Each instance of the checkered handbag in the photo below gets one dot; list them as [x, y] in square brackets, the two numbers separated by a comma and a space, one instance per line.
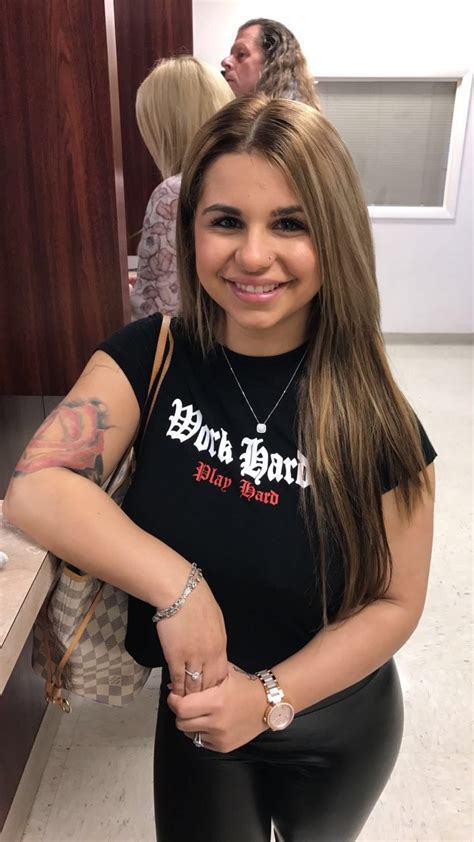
[78, 642]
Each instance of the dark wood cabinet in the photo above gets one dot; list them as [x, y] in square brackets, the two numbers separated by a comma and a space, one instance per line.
[22, 707]
[70, 71]
[146, 30]
[63, 255]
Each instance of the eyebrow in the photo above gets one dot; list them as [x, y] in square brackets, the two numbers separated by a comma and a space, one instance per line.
[278, 212]
[287, 211]
[222, 209]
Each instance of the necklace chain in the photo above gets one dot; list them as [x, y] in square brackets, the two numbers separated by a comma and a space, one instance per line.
[262, 425]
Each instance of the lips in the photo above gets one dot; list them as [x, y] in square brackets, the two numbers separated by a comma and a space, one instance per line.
[256, 292]
[256, 288]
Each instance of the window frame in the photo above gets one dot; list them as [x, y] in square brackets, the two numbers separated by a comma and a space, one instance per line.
[456, 145]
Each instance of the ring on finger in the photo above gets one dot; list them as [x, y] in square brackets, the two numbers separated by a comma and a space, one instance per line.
[197, 740]
[194, 675]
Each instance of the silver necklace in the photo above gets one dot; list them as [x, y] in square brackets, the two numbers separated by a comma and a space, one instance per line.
[262, 425]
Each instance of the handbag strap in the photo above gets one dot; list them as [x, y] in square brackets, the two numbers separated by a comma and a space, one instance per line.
[160, 350]
[54, 687]
[76, 638]
[161, 365]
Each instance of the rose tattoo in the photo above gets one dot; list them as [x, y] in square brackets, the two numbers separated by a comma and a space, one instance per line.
[71, 437]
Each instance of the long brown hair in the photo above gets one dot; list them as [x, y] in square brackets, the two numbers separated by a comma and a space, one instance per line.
[285, 71]
[353, 419]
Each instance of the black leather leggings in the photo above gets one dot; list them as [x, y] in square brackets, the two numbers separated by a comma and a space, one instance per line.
[317, 781]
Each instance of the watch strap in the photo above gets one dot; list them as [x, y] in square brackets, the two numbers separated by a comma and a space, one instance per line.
[272, 689]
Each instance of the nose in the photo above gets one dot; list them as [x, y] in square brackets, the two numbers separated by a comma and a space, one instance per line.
[226, 62]
[254, 255]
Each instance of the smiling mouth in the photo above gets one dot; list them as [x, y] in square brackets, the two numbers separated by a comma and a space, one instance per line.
[257, 289]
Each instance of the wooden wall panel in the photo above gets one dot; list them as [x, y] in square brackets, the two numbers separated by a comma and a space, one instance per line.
[63, 270]
[145, 30]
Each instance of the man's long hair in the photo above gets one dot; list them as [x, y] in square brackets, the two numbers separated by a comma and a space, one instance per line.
[285, 71]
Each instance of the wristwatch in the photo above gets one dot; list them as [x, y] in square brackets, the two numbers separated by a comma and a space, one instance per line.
[279, 714]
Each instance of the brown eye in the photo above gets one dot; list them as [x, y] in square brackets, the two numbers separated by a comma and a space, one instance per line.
[290, 225]
[226, 222]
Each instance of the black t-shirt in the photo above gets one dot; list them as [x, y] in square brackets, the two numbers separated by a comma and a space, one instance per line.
[225, 496]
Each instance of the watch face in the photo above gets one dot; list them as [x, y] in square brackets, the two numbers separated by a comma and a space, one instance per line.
[280, 716]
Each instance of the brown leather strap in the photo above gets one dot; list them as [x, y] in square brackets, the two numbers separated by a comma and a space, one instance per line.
[77, 636]
[53, 688]
[157, 362]
[160, 350]
[164, 370]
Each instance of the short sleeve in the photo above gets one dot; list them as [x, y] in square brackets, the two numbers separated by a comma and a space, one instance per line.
[133, 349]
[389, 482]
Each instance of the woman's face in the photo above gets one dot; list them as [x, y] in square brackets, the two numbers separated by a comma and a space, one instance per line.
[254, 254]
[244, 64]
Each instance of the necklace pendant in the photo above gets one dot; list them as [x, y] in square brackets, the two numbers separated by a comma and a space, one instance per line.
[261, 428]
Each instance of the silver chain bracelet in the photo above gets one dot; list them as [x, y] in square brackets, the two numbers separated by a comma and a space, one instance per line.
[193, 580]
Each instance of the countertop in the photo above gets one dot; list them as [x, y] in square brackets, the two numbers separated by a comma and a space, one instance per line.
[24, 585]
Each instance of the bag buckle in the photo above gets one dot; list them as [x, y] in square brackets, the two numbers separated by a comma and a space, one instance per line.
[54, 697]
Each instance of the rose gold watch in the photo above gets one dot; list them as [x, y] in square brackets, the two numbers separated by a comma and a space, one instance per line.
[279, 714]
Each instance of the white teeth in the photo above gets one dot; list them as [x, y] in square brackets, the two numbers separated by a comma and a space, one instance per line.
[261, 288]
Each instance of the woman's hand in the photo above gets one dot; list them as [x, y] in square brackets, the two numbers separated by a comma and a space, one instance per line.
[195, 640]
[226, 716]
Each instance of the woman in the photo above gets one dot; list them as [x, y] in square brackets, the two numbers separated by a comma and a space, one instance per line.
[174, 100]
[266, 58]
[284, 461]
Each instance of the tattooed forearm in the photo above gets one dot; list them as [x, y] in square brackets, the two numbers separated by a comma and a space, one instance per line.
[249, 675]
[71, 437]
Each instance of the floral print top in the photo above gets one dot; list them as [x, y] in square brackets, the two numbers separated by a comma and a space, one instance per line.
[157, 288]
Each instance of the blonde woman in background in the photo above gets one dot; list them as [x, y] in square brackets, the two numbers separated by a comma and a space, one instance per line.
[173, 102]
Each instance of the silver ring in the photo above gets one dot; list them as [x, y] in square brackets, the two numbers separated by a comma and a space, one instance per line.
[193, 675]
[197, 740]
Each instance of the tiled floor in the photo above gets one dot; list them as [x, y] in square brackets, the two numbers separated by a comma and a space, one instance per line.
[97, 784]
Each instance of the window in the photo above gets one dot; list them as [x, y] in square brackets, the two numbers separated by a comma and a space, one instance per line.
[406, 138]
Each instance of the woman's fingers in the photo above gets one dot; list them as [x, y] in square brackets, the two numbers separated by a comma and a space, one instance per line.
[190, 726]
[195, 705]
[177, 678]
[185, 679]
[193, 681]
[215, 672]
[199, 738]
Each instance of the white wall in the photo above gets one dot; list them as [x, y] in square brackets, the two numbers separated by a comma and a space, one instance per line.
[425, 268]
